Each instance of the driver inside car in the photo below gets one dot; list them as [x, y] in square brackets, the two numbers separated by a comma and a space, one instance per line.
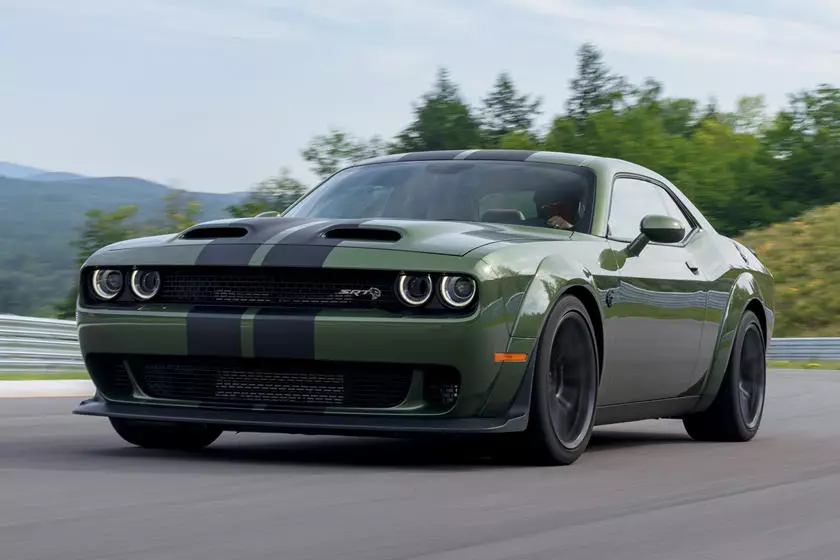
[557, 210]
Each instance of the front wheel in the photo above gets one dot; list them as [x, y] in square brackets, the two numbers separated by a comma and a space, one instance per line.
[736, 412]
[565, 386]
[165, 435]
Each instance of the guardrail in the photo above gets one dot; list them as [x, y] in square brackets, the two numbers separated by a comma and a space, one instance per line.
[35, 344]
[52, 345]
[804, 349]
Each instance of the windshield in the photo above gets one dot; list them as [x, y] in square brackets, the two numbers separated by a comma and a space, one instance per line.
[522, 193]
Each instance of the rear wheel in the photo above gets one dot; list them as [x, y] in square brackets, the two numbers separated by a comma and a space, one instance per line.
[736, 412]
[165, 435]
[565, 387]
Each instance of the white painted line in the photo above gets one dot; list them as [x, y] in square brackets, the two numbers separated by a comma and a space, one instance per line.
[46, 388]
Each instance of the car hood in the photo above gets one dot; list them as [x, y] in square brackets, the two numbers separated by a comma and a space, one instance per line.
[439, 237]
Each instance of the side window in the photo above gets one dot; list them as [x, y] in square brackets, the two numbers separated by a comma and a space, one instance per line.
[673, 210]
[634, 199]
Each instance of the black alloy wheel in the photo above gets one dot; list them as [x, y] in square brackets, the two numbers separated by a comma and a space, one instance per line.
[736, 412]
[565, 388]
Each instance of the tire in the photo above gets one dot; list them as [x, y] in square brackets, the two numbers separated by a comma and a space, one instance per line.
[165, 435]
[568, 340]
[735, 414]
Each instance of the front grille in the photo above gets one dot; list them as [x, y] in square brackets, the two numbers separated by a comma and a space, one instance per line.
[278, 384]
[243, 383]
[320, 288]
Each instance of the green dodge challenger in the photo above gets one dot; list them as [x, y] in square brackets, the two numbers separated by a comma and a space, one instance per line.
[524, 294]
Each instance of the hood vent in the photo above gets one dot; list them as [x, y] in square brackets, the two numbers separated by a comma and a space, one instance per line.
[216, 232]
[364, 234]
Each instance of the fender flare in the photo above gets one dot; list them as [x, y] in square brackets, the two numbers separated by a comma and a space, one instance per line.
[745, 290]
[521, 405]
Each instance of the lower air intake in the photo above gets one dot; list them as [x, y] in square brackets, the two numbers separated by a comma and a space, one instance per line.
[274, 384]
[261, 384]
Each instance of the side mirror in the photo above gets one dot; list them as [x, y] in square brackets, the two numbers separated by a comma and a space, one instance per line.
[659, 229]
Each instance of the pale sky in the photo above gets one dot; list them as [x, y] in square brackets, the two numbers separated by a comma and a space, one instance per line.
[216, 95]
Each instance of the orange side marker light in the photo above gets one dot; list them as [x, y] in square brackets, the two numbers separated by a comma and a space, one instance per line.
[510, 357]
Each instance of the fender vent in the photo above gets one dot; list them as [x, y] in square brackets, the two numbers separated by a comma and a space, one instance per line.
[364, 234]
[215, 233]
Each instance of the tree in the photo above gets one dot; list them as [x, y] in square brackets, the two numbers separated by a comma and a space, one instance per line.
[327, 153]
[749, 117]
[104, 228]
[519, 141]
[442, 121]
[274, 194]
[179, 213]
[101, 228]
[594, 88]
[506, 111]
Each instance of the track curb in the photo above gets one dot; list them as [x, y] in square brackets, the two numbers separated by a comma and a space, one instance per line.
[46, 388]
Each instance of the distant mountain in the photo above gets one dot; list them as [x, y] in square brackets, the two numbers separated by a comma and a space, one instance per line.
[40, 218]
[54, 176]
[16, 171]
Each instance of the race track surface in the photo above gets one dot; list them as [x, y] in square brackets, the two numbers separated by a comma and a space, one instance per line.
[71, 489]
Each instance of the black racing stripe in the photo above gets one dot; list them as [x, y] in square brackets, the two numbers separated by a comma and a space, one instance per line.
[299, 256]
[263, 229]
[226, 254]
[307, 247]
[284, 334]
[215, 331]
[431, 155]
[238, 251]
[503, 155]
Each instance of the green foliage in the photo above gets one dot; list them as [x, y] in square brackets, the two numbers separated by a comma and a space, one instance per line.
[179, 213]
[275, 194]
[103, 228]
[509, 115]
[802, 255]
[594, 88]
[330, 152]
[442, 121]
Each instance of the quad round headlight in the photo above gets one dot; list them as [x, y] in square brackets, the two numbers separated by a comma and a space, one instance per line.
[145, 283]
[414, 290]
[107, 284]
[457, 291]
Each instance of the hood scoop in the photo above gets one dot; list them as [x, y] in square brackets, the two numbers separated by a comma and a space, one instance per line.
[215, 232]
[363, 234]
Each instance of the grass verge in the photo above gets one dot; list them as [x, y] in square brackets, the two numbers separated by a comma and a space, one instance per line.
[37, 376]
[780, 364]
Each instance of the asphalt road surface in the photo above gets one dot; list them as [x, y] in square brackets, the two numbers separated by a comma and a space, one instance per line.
[71, 489]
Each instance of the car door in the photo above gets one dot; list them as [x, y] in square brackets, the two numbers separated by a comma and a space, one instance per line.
[659, 306]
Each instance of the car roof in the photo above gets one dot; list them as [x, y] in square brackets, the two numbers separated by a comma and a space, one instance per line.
[599, 163]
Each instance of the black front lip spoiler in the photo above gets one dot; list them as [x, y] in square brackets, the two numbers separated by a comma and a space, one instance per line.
[302, 423]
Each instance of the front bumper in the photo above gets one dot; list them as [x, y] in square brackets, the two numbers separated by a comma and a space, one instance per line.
[312, 424]
[487, 392]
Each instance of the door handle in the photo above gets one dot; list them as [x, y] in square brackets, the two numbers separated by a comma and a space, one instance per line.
[692, 267]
